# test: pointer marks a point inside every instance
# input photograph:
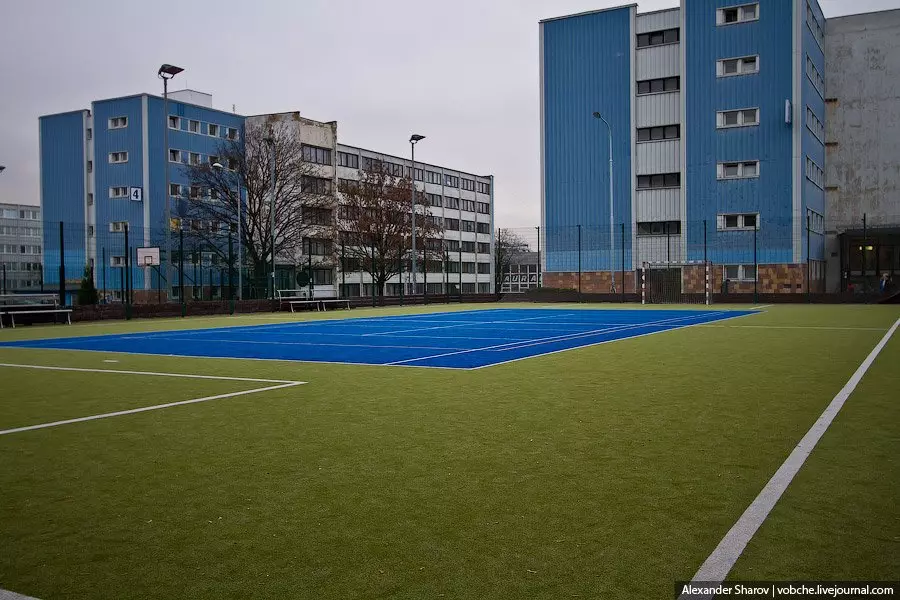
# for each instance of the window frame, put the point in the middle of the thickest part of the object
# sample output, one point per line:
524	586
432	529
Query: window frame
739	8
663	81
113	157
649	36
663	128
739	65
118	191
739	165
651	178
740	225
721	115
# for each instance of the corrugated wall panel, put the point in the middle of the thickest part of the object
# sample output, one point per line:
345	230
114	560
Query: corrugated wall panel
658	157
659	248
658	61
658	109
586	68
656	21
658	205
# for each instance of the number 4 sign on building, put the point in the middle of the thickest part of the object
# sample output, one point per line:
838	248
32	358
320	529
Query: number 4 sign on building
136	194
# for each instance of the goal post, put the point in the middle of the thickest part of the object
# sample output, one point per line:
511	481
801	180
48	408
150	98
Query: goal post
685	282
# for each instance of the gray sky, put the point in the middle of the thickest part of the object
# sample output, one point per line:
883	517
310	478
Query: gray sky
463	73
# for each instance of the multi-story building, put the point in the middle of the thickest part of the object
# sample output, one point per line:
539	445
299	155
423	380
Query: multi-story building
716	116
104	168
862	182
20	249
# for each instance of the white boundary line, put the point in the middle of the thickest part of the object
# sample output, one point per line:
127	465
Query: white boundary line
8	595
716	567
812	327
147	408
150	373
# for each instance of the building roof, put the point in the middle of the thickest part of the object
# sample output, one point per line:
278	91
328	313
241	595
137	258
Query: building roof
588	12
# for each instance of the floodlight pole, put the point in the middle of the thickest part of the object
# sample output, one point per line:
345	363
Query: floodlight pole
271	143
240	208
412	144
167	72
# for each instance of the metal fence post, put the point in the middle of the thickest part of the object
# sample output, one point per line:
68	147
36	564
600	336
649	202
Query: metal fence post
622	230
373	271
425	273
400	276
181	271
62	265
808	262
343	293
755	268
539	283
127	276
230	272
460	271
579	263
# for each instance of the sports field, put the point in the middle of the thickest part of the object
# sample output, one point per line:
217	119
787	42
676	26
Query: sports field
565	451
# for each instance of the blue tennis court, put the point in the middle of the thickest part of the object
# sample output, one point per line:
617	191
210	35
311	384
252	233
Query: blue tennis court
455	340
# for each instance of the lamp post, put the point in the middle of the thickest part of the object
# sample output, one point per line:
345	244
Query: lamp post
412	145
612	241
240	207
270	142
2	168
167	72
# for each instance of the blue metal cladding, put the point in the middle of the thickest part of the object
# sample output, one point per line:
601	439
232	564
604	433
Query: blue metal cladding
108	175
813	195
770	142
587	68
63	174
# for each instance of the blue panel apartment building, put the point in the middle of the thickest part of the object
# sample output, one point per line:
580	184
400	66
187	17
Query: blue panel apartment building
105	167
717	116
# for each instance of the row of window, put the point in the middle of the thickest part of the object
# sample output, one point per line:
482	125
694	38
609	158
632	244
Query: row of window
315	154
193	126
815	77
745	117
20	249
737	14
118	157
816	222
346	159
458	203
466	246
815	125
657	86
24	231
815	27
658	38
659	181
815	173
745	65
737	221
13	267
658	228
737	170
652	134
463	225
12	213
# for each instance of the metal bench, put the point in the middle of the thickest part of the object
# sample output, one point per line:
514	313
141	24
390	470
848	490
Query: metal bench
335	301
12	314
293	303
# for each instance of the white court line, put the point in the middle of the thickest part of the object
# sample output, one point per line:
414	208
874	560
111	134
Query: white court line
253	342
8	595
458	324
552	339
150	373
716	568
797	327
147	408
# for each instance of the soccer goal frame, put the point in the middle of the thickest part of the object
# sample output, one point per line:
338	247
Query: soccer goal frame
681	282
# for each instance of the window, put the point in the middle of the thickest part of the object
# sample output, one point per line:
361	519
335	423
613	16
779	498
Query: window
667	132
468	267
815	173
815	125
317	247
484	248
232	164
419	174
194	126
175	156
657	38
323	277
484	208
737	14
90	166
212	159
737	170
118	192
484	188
468	205
194	158
194	192
232	134
451	180
433	177
174	189
816	221
345	159
315	185
739	272
174	122
737	66
118	122
118	261
662	180
659	228
738	221
737	118
212	130
434	199
451	224
89	134
316	216
451	202
815	27
213	194
118	157
90	198
483	227
317	155
117	226
468	184
468	246
452	245
815	77
658	86
468	226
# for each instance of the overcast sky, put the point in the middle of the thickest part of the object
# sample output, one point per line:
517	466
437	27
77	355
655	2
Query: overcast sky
463	73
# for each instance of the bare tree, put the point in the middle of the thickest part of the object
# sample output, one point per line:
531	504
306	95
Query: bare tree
303	199
507	247
376	225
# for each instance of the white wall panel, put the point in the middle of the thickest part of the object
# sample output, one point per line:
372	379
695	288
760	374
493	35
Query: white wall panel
658	248
658	61
658	109
658	205
658	157
658	20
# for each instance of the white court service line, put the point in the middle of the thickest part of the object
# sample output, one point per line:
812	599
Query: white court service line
147	408
716	568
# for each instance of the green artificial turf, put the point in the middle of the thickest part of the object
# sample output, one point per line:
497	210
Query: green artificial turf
602	472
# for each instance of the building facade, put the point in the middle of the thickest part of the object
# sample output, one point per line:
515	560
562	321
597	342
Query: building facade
716	115
862	191
21	252
104	168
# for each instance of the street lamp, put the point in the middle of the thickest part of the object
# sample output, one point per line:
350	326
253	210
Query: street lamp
412	144
2	168
270	142
167	72
612	242
219	166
